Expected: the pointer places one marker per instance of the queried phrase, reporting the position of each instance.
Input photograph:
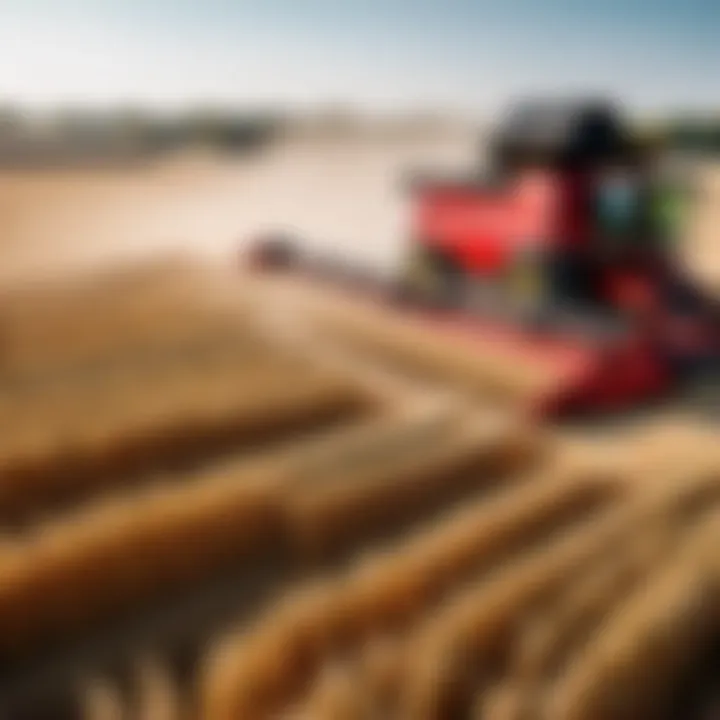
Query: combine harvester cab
(555, 259)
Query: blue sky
(384, 54)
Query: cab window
(617, 203)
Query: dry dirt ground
(704, 232)
(345, 195)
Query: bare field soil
(340, 195)
(345, 196)
(703, 250)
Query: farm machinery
(564, 253)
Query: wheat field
(215, 510)
(225, 498)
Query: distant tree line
(130, 132)
(686, 134)
(224, 131)
(703, 135)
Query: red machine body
(544, 209)
(542, 214)
(484, 228)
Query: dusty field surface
(225, 498)
(704, 232)
(343, 195)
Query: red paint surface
(586, 374)
(484, 228)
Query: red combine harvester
(562, 257)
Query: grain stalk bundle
(258, 672)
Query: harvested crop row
(152, 375)
(41, 327)
(402, 478)
(64, 575)
(408, 344)
(630, 671)
(263, 670)
(157, 695)
(547, 641)
(260, 672)
(114, 554)
(149, 692)
(99, 699)
(171, 422)
(557, 630)
(477, 628)
(129, 340)
(111, 280)
(631, 668)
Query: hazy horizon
(382, 56)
